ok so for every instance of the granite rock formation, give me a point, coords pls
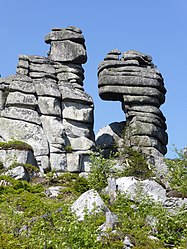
(44, 104)
(135, 81)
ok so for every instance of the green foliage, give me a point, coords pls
(100, 170)
(15, 144)
(28, 219)
(135, 164)
(29, 167)
(73, 182)
(177, 175)
(139, 220)
(68, 148)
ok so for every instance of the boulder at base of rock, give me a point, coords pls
(19, 173)
(88, 203)
(134, 188)
(8, 157)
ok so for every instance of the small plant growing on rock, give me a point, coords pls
(68, 148)
(15, 144)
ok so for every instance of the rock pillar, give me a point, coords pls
(45, 104)
(135, 81)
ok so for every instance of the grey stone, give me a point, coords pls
(21, 99)
(8, 157)
(73, 162)
(49, 106)
(135, 81)
(69, 93)
(22, 71)
(64, 34)
(139, 128)
(37, 59)
(85, 161)
(141, 100)
(81, 143)
(45, 105)
(30, 133)
(57, 147)
(46, 68)
(76, 129)
(69, 68)
(147, 141)
(112, 189)
(24, 114)
(117, 92)
(58, 162)
(77, 111)
(23, 63)
(127, 243)
(146, 115)
(89, 201)
(149, 119)
(47, 87)
(65, 51)
(19, 173)
(2, 99)
(54, 130)
(110, 135)
(36, 75)
(69, 76)
(134, 188)
(146, 109)
(110, 224)
(16, 77)
(128, 80)
(22, 84)
(43, 162)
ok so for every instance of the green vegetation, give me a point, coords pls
(135, 164)
(29, 219)
(29, 167)
(68, 148)
(101, 169)
(15, 144)
(178, 172)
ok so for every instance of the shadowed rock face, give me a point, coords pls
(135, 81)
(45, 104)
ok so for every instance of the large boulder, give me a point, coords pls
(88, 203)
(135, 188)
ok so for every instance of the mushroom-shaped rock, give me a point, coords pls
(135, 81)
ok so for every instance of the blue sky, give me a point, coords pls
(157, 28)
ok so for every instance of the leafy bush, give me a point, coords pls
(100, 170)
(28, 219)
(135, 164)
(177, 174)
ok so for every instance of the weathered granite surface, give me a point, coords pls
(136, 82)
(45, 105)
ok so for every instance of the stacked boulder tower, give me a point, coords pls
(45, 105)
(135, 81)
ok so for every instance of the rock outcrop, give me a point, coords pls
(44, 104)
(135, 81)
